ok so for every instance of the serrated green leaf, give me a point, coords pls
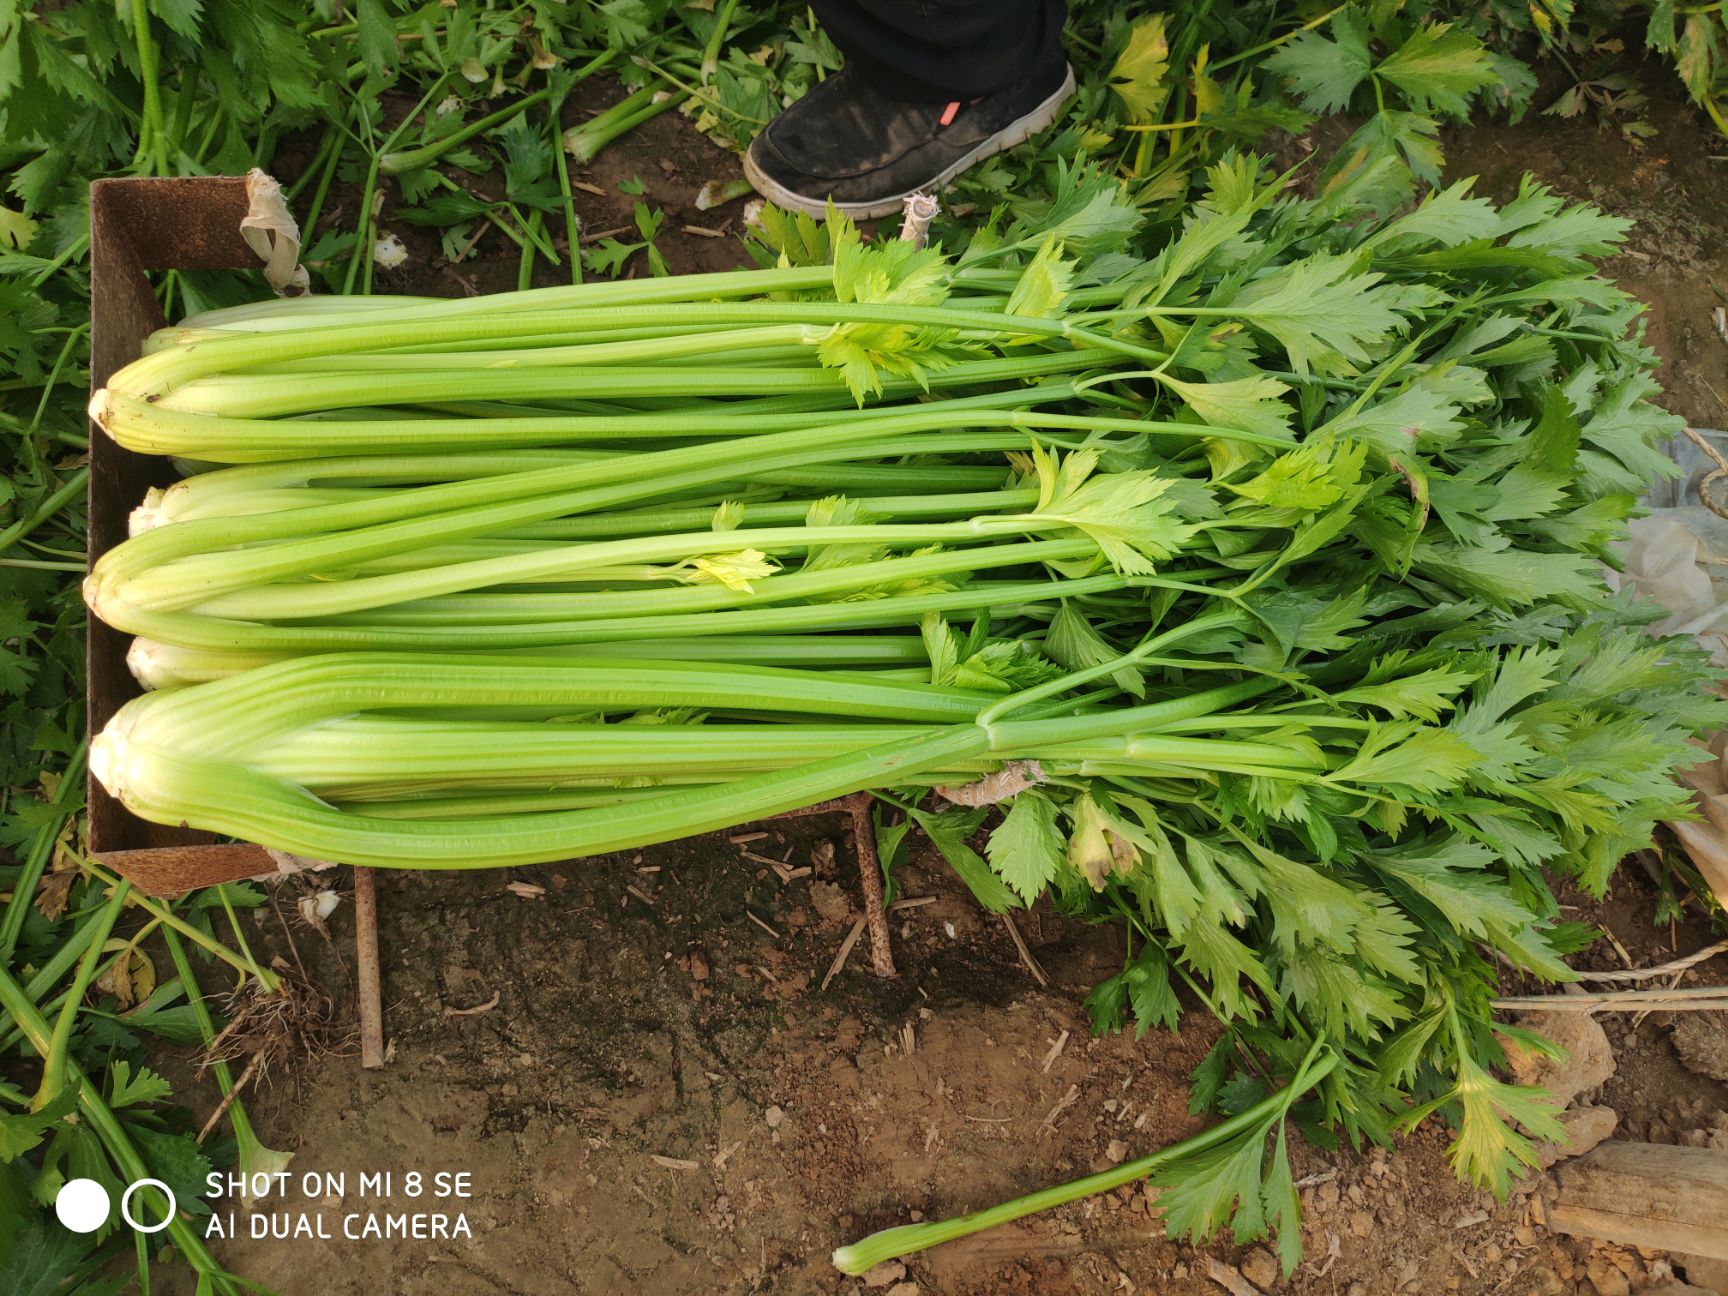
(1439, 68)
(128, 1090)
(1323, 71)
(1026, 849)
(21, 1131)
(1247, 404)
(949, 829)
(1138, 75)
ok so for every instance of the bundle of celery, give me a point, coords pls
(1257, 562)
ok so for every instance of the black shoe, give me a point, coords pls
(867, 153)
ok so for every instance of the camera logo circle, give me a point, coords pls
(82, 1205)
(126, 1205)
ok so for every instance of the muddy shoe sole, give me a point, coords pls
(1015, 133)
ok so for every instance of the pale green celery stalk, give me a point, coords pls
(501, 801)
(165, 587)
(368, 754)
(288, 695)
(772, 512)
(351, 310)
(656, 346)
(584, 142)
(115, 1141)
(908, 1239)
(165, 787)
(857, 478)
(158, 665)
(569, 332)
(395, 163)
(185, 507)
(458, 510)
(1005, 597)
(278, 313)
(160, 374)
(541, 449)
(248, 395)
(588, 579)
(348, 757)
(535, 312)
(410, 519)
(438, 805)
(55, 1058)
(152, 429)
(152, 776)
(512, 608)
(255, 1158)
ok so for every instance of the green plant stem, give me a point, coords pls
(73, 338)
(425, 155)
(1255, 51)
(68, 490)
(68, 796)
(169, 919)
(327, 173)
(525, 259)
(695, 92)
(584, 142)
(910, 1238)
(572, 222)
(151, 144)
(50, 973)
(251, 1148)
(369, 206)
(55, 1059)
(17, 1006)
(716, 39)
(331, 140)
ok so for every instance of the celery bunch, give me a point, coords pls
(1261, 556)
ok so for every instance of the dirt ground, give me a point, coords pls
(637, 1062)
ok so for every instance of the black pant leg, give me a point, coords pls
(938, 50)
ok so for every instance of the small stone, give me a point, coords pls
(1605, 1278)
(1259, 1268)
(1524, 1235)
(832, 902)
(1361, 1223)
(774, 1116)
(1588, 1060)
(1492, 1253)
(889, 1271)
(903, 1289)
(1561, 1261)
(1328, 1195)
(1117, 1152)
(1704, 1271)
(1701, 1040)
(1585, 1127)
